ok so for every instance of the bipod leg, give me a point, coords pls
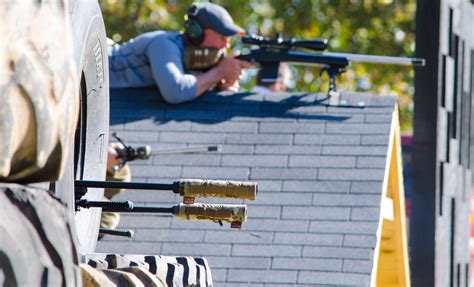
(333, 95)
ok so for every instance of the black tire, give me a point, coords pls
(37, 245)
(91, 138)
(38, 113)
(37, 73)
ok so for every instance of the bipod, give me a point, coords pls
(333, 96)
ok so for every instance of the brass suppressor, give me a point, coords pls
(236, 214)
(192, 188)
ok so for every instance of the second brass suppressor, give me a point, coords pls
(235, 214)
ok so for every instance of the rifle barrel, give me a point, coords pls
(124, 206)
(298, 57)
(379, 59)
(116, 232)
(233, 213)
(217, 148)
(153, 209)
(126, 185)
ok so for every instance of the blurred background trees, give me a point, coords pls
(377, 27)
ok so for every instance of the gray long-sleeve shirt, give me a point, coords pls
(154, 58)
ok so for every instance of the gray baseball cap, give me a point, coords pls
(215, 17)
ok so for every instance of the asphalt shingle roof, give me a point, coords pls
(319, 168)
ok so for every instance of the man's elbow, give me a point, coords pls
(178, 89)
(174, 97)
(173, 101)
(177, 94)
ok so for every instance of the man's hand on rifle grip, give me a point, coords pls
(231, 69)
(114, 156)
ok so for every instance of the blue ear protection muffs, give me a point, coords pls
(192, 29)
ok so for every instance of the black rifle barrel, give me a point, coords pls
(124, 206)
(127, 185)
(152, 209)
(304, 58)
(116, 232)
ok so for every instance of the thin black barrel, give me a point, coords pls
(299, 57)
(188, 150)
(150, 209)
(124, 206)
(127, 185)
(116, 232)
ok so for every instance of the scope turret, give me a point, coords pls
(287, 44)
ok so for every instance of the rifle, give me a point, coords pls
(235, 214)
(129, 153)
(188, 188)
(270, 52)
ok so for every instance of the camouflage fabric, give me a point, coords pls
(111, 220)
(196, 58)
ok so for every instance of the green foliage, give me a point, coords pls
(377, 27)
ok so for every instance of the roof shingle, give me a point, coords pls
(320, 170)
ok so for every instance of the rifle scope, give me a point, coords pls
(280, 43)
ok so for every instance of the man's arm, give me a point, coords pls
(176, 86)
(166, 65)
(206, 80)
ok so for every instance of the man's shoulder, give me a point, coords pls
(166, 36)
(160, 34)
(163, 40)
